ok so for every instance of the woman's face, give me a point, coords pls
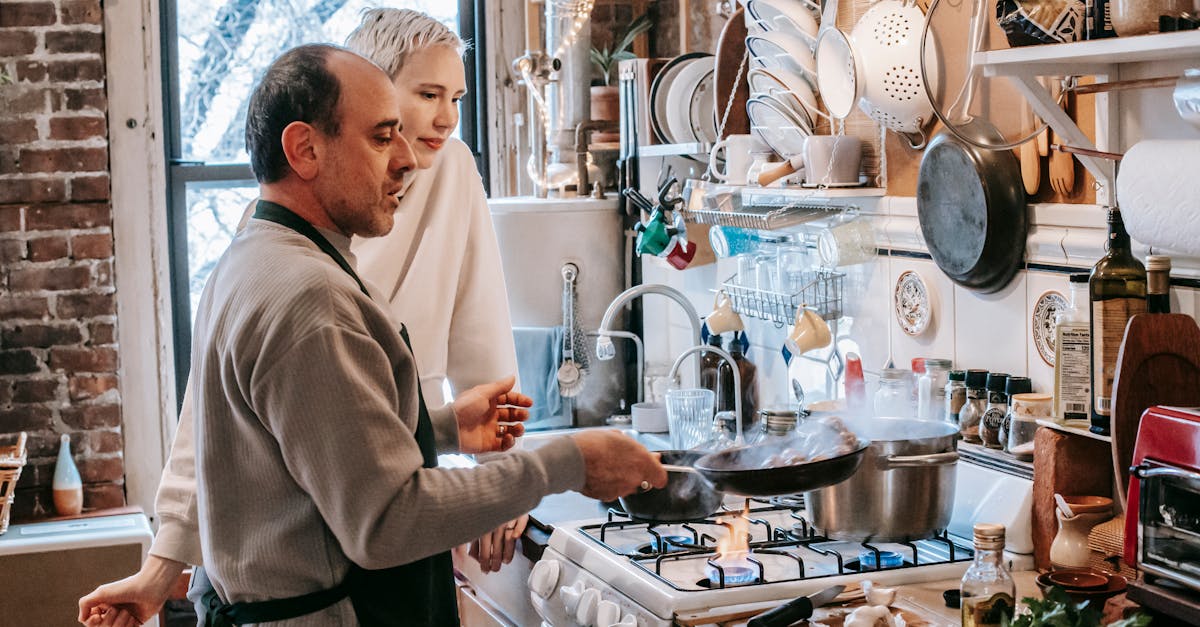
(431, 83)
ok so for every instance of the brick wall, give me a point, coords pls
(58, 345)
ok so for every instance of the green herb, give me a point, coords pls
(1058, 610)
(607, 59)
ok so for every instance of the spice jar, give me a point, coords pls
(1014, 386)
(972, 412)
(955, 395)
(997, 408)
(934, 380)
(1138, 17)
(776, 424)
(1023, 414)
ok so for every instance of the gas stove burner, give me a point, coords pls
(866, 561)
(734, 576)
(790, 501)
(663, 544)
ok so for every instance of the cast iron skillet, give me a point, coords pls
(725, 472)
(687, 496)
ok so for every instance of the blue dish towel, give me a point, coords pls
(539, 353)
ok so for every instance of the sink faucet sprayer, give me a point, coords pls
(737, 380)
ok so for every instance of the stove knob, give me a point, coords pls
(570, 596)
(588, 602)
(544, 577)
(608, 614)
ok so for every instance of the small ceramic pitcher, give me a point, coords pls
(1070, 546)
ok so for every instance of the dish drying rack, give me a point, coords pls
(821, 292)
(756, 207)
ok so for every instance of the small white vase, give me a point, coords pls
(68, 487)
(1070, 547)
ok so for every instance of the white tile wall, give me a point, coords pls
(989, 329)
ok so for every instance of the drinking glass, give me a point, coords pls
(689, 416)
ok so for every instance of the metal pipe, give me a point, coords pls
(581, 151)
(737, 380)
(604, 345)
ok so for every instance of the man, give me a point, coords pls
(315, 454)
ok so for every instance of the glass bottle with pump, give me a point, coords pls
(1118, 292)
(988, 591)
(1158, 284)
(1072, 356)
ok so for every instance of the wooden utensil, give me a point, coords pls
(1031, 163)
(730, 58)
(1158, 364)
(1062, 165)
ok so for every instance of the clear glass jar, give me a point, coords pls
(776, 424)
(1023, 414)
(954, 395)
(931, 389)
(972, 412)
(894, 396)
(988, 591)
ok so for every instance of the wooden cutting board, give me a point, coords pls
(731, 49)
(1158, 364)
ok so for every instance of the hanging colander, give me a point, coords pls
(887, 46)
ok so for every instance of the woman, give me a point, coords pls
(439, 269)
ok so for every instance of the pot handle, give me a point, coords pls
(919, 461)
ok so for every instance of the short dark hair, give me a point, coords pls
(298, 87)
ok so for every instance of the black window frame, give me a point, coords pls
(181, 172)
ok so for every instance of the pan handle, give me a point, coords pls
(919, 461)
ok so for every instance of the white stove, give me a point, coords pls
(618, 572)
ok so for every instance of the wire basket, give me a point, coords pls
(12, 460)
(822, 292)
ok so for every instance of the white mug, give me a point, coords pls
(737, 149)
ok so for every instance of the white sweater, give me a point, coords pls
(448, 289)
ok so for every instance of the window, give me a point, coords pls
(214, 53)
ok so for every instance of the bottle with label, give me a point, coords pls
(997, 408)
(1118, 292)
(748, 373)
(1014, 386)
(955, 395)
(988, 591)
(1073, 355)
(715, 375)
(971, 413)
(1158, 284)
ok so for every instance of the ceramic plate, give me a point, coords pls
(786, 87)
(784, 15)
(703, 114)
(679, 94)
(660, 88)
(1044, 311)
(911, 302)
(775, 124)
(779, 49)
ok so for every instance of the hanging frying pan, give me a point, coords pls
(970, 200)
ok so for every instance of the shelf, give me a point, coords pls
(694, 149)
(980, 455)
(767, 208)
(1047, 59)
(1099, 58)
(1074, 429)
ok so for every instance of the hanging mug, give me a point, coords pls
(653, 237)
(809, 333)
(681, 252)
(737, 150)
(723, 319)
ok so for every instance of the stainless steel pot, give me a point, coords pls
(904, 489)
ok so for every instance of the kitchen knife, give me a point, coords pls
(795, 610)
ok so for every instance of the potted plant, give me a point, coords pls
(605, 104)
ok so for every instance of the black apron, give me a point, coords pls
(419, 593)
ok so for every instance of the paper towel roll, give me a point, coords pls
(1158, 189)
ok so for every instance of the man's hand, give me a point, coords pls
(616, 465)
(137, 597)
(486, 414)
(496, 547)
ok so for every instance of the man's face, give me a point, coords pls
(363, 167)
(430, 84)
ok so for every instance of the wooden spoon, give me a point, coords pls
(1031, 163)
(1062, 165)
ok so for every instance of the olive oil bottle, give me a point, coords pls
(988, 591)
(1118, 292)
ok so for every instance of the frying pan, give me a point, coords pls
(727, 471)
(970, 200)
(687, 495)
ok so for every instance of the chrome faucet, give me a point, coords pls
(737, 380)
(604, 344)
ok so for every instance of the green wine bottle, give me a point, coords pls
(1117, 291)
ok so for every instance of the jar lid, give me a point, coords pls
(894, 374)
(996, 381)
(958, 375)
(1018, 385)
(989, 536)
(943, 364)
(976, 378)
(1158, 262)
(1033, 397)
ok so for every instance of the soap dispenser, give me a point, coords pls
(68, 487)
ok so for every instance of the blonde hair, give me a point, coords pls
(388, 36)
